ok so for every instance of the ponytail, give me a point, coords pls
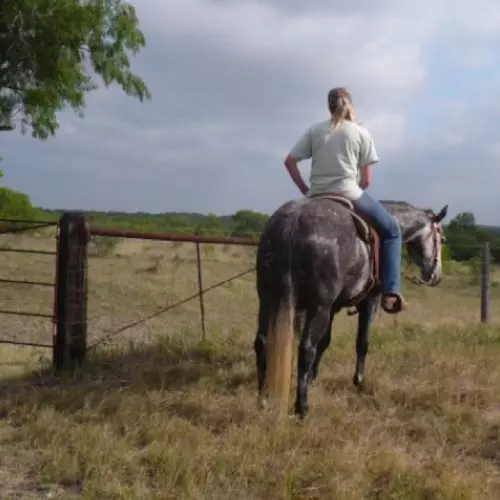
(340, 106)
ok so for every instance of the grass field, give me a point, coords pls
(160, 413)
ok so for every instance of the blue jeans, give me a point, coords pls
(390, 241)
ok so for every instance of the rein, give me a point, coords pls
(435, 258)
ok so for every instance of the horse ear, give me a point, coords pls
(441, 215)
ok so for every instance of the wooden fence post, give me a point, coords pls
(70, 342)
(485, 283)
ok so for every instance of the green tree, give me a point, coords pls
(464, 221)
(464, 236)
(210, 225)
(15, 205)
(248, 223)
(50, 52)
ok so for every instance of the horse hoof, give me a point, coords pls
(301, 412)
(262, 403)
(359, 382)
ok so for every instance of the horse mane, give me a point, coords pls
(398, 202)
(428, 212)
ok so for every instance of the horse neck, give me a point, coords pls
(409, 218)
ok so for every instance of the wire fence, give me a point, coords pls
(83, 287)
(133, 282)
(137, 277)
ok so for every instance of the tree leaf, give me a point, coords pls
(51, 52)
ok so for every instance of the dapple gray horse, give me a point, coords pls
(311, 262)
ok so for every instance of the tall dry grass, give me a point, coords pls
(159, 413)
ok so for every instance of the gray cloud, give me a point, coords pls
(235, 83)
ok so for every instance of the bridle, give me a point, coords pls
(437, 237)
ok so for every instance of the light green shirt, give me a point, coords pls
(336, 156)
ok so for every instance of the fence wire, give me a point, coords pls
(132, 282)
(140, 280)
(170, 307)
(27, 279)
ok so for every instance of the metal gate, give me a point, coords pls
(9, 227)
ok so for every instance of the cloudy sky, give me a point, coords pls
(236, 82)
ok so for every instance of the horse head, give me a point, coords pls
(424, 240)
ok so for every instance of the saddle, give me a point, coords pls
(369, 236)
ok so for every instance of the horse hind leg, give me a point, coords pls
(260, 348)
(317, 322)
(322, 347)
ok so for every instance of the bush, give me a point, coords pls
(16, 205)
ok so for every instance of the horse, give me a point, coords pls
(315, 257)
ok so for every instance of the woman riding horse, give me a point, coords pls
(343, 151)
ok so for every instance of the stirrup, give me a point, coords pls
(398, 305)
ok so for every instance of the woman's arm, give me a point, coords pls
(368, 157)
(293, 170)
(301, 151)
(365, 178)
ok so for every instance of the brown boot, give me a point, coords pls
(393, 303)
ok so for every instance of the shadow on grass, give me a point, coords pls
(171, 364)
(202, 380)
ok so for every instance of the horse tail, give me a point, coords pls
(280, 341)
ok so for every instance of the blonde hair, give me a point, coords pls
(340, 106)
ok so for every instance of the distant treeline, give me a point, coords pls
(244, 223)
(464, 236)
